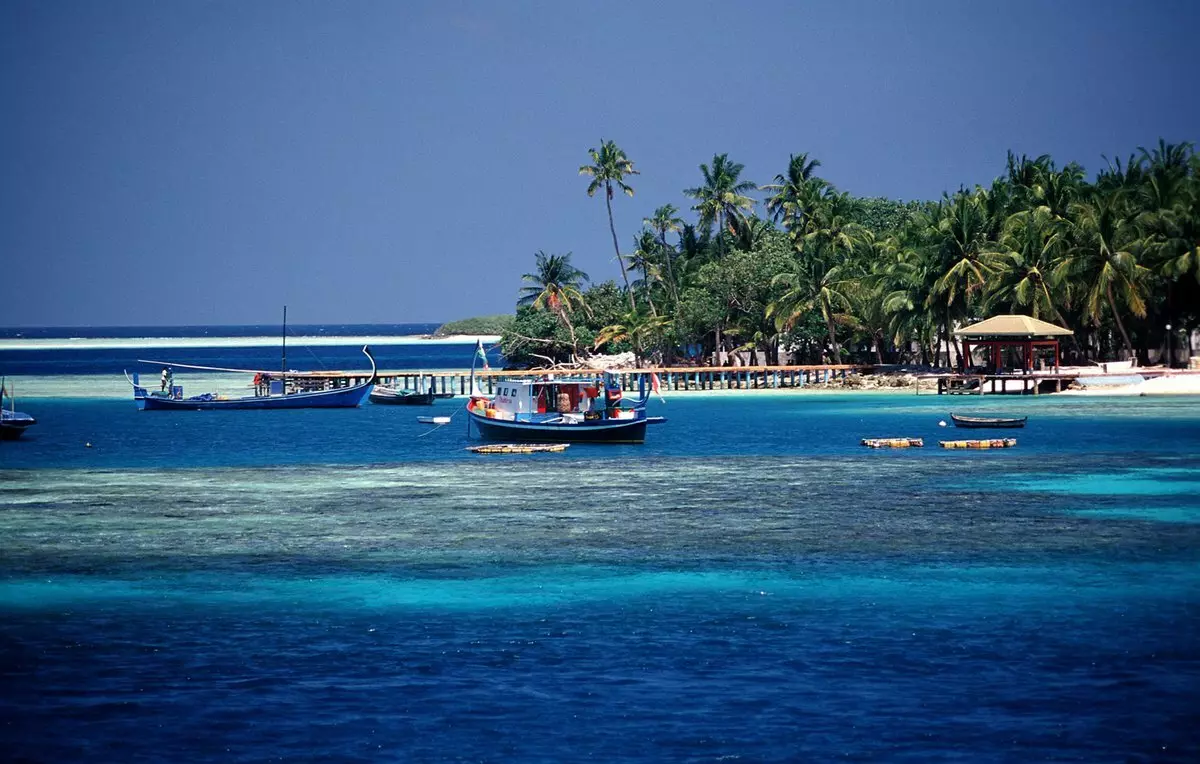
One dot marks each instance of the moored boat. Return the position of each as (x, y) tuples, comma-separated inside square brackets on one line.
[(13, 423), (395, 396), (271, 391), (571, 410), (981, 422), (582, 409)]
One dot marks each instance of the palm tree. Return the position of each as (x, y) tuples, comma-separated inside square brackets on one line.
[(957, 236), (794, 191), (645, 259), (818, 282), (556, 286), (610, 166), (723, 195), (1103, 262), (1029, 249), (636, 327), (823, 279), (666, 220)]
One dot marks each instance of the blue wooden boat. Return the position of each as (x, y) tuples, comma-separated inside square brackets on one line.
[(564, 410), (271, 391)]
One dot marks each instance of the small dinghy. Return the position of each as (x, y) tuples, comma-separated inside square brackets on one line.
[(981, 422)]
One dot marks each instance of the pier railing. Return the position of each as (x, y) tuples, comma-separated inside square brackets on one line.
[(457, 382)]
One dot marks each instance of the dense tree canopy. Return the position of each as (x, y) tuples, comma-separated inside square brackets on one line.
[(825, 275)]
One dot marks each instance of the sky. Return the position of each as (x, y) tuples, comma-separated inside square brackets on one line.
[(208, 162)]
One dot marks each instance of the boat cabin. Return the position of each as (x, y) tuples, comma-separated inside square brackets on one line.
[(533, 400)]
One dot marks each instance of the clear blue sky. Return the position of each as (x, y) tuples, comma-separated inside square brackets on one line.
[(208, 162)]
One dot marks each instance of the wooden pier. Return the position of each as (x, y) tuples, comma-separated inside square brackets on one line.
[(457, 382), (1034, 382)]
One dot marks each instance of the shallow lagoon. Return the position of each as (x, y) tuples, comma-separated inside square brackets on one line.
[(750, 584)]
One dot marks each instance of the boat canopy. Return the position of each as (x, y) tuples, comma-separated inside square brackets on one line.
[(535, 396)]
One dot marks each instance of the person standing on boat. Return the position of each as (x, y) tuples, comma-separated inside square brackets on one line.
[(166, 378)]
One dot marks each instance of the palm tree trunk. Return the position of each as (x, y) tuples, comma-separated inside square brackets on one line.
[(834, 348), (613, 229), (1112, 305), (562, 314), (649, 299), (670, 269)]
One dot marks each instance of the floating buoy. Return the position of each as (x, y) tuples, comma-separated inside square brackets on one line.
[(993, 443), (942, 423), (893, 442), (87, 445)]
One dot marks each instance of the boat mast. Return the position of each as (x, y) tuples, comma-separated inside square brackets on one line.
[(283, 361)]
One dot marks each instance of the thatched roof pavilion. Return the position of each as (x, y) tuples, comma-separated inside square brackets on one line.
[(1017, 332)]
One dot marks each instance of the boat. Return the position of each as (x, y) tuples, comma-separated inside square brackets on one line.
[(980, 422), (579, 409), (395, 396), (13, 423), (272, 390)]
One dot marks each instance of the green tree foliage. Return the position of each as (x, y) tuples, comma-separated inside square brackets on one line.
[(1115, 259), (477, 325)]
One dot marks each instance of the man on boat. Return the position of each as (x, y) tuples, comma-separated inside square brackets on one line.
[(166, 377)]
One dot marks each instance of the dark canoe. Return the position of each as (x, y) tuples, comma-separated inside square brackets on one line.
[(982, 422), (14, 423), (335, 398), (586, 431), (392, 396)]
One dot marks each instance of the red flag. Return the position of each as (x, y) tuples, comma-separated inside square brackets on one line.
[(654, 385)]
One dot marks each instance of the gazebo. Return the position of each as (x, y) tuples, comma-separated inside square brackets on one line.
[(1015, 332)]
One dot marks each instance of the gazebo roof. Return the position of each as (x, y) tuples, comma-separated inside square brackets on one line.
[(1012, 326)]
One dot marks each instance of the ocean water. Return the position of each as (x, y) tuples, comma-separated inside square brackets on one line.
[(749, 585), (106, 351)]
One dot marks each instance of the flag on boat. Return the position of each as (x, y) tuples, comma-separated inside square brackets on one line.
[(654, 386), (481, 354)]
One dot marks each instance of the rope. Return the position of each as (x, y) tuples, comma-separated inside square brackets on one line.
[(440, 425)]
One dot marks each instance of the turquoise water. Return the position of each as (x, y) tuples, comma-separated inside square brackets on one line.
[(749, 585)]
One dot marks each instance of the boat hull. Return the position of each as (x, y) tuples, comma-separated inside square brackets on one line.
[(597, 431), (986, 423), (14, 424), (345, 398), (401, 399)]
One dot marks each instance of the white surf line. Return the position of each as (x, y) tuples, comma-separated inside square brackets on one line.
[(114, 343)]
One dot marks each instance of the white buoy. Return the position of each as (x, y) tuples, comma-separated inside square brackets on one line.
[(942, 423)]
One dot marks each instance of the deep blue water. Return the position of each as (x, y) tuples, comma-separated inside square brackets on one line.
[(750, 585)]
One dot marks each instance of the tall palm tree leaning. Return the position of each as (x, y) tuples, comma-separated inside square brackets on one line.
[(557, 287), (610, 165)]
